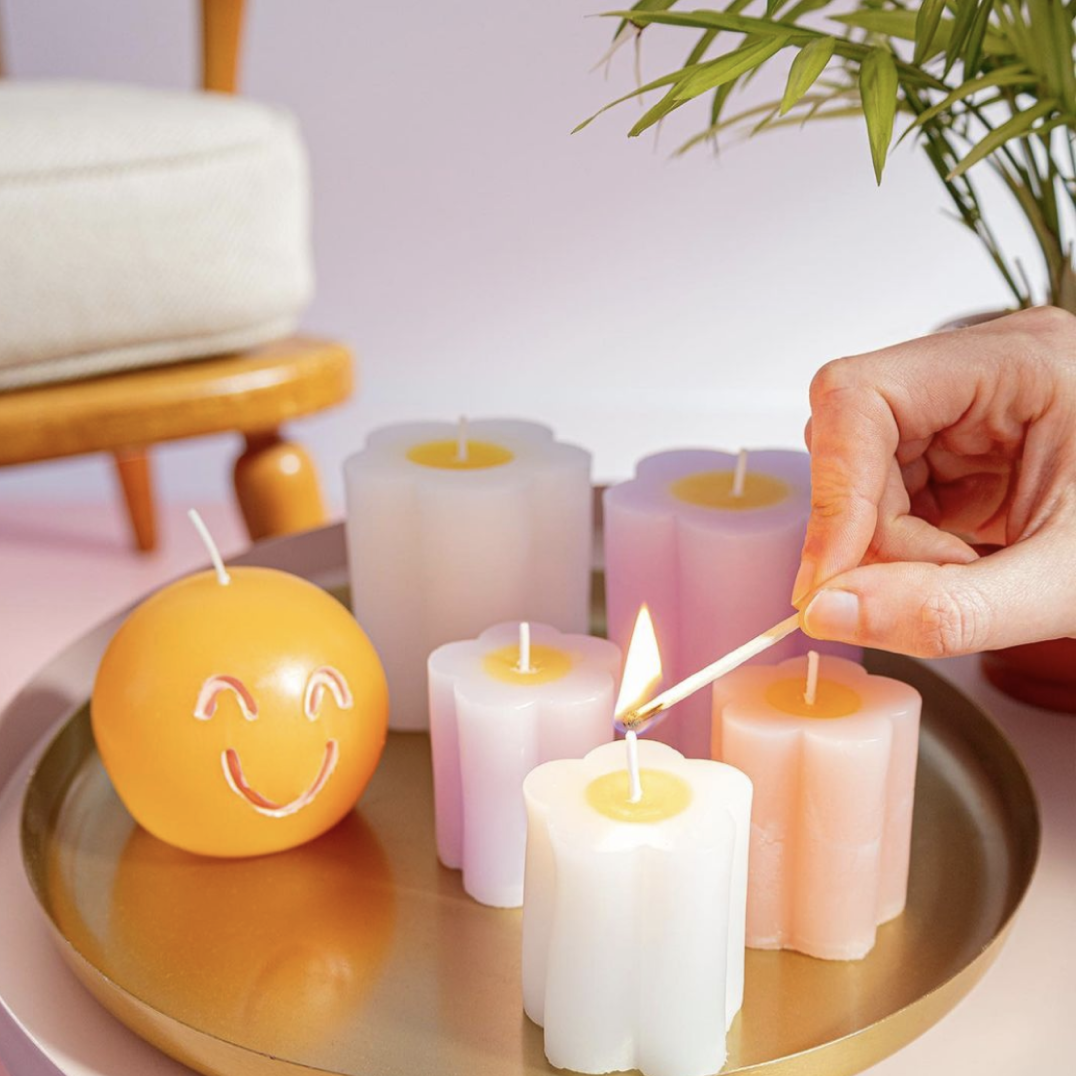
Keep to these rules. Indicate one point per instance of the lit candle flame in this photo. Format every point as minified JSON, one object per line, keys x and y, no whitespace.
{"x":642,"y":668}
{"x":642,"y":673}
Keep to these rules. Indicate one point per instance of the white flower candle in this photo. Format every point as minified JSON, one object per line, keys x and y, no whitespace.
{"x":711,"y":543}
{"x":633,"y":917}
{"x":833,"y":764}
{"x":453,"y":528}
{"x":517,"y":696}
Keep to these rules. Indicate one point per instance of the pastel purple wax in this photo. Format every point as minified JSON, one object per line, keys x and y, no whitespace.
{"x":712,"y":577}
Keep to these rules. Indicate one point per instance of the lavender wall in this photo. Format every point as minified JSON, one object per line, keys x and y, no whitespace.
{"x":481,"y":260}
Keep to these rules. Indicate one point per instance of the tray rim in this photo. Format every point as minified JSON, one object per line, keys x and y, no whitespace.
{"x":842,"y":1056}
{"x":847,"y":1054}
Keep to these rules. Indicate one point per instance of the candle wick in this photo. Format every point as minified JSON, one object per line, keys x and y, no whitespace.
{"x":631,"y":742}
{"x":461,"y":440}
{"x":740,"y":474}
{"x":524,"y":665}
{"x":214,"y":553}
{"x":810,"y":695}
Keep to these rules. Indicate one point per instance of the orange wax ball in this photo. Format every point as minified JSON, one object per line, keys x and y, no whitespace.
{"x":241,"y":718}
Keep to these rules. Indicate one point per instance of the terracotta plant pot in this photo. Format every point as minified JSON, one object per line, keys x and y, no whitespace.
{"x":1043,"y":674}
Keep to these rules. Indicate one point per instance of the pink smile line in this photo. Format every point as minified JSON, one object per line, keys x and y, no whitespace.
{"x":237,"y":782}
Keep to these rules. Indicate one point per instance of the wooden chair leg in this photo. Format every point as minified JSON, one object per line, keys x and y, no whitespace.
{"x":222,"y":31}
{"x":277,"y":486}
{"x":136,"y":480}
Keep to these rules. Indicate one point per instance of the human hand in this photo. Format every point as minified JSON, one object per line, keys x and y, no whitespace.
{"x":919,"y":452}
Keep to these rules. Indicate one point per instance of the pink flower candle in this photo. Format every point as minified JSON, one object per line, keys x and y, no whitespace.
{"x":832,"y":761}
{"x":711,"y":543}
{"x":501,"y":704}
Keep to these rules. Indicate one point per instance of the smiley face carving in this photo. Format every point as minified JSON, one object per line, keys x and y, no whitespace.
{"x":324,"y":678}
{"x":239,"y":719}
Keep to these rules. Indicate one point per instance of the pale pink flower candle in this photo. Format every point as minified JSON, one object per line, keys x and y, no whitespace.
{"x":501,"y":704}
{"x":711,"y":542}
{"x":833,"y":765}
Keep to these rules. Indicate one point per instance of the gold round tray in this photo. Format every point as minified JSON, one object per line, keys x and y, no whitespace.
{"x":360,"y":954}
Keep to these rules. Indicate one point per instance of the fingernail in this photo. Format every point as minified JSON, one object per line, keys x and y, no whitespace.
{"x":804,"y":582}
{"x":833,"y":614}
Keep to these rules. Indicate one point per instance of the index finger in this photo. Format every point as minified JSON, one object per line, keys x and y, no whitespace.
{"x":853,"y":437}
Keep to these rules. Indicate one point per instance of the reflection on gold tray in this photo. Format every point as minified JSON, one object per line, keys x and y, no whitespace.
{"x":359,"y":954}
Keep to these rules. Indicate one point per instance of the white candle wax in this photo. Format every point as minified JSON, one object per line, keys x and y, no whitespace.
{"x":440,"y":547}
{"x":633,"y":915}
{"x":716,"y":565}
{"x":834,"y":787}
{"x":491,"y":722}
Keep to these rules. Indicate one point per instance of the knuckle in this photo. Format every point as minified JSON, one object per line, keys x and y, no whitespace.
{"x":832,"y":381}
{"x":952,"y":621}
{"x":1049,"y":321}
{"x":1049,"y":335}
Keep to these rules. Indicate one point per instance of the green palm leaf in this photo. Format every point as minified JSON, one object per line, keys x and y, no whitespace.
{"x":878,"y":89}
{"x":709,"y":76}
{"x":665,"y":80}
{"x":926,"y":28}
{"x":806,"y":67}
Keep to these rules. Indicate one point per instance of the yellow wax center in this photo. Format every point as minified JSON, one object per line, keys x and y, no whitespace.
{"x":547,"y":664}
{"x":446,"y":455}
{"x":713,"y":489}
{"x":832,"y":699}
{"x":664,"y":796}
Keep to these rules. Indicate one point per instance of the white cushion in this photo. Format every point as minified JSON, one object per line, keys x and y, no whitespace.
{"x":141,"y":226}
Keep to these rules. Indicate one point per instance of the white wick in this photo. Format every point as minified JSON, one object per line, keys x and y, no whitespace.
{"x":461,"y":440}
{"x":524,"y":665}
{"x":631,"y":742}
{"x":214,"y":553}
{"x":810,"y":695}
{"x":740,"y":474}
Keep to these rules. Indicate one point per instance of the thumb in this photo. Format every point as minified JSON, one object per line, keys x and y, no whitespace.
{"x":1021,"y":594}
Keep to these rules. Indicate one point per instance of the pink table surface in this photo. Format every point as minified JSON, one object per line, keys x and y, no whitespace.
{"x":1018,"y":1019}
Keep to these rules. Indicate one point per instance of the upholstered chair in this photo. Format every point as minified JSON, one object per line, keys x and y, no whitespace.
{"x":154,"y":262}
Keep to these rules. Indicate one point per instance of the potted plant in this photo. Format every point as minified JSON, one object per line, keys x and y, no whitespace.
{"x":980,"y":84}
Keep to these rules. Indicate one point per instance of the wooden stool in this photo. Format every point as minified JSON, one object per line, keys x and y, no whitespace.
{"x":253,"y":392}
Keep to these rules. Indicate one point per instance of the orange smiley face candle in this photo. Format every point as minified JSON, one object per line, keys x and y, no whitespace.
{"x":239,"y":713}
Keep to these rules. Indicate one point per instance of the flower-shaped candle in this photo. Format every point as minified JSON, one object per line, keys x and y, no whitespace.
{"x":633,"y":918}
{"x":711,"y":543}
{"x":833,"y":764}
{"x":451,"y":529}
{"x":517,"y":696}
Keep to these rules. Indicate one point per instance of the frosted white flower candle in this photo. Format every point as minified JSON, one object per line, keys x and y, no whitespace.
{"x":711,"y":542}
{"x":633,"y":917}
{"x":501,"y":704}
{"x":453,"y":528}
{"x":832,"y":754}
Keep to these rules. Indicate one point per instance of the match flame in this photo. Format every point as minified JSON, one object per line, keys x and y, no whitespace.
{"x":642,"y":669}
